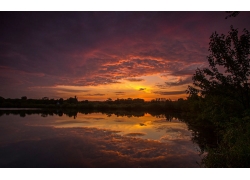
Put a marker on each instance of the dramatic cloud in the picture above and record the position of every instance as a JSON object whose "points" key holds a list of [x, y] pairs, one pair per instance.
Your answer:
{"points": [[49, 49]]}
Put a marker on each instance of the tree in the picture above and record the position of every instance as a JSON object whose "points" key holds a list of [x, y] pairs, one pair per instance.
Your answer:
{"points": [[232, 14], [1, 99], [24, 98], [109, 100], [229, 68], [72, 100], [45, 98]]}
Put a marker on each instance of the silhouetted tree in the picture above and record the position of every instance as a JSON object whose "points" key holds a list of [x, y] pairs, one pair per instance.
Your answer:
{"points": [[109, 100], [221, 96], [24, 98], [1, 99], [45, 98], [72, 100], [229, 68], [60, 100], [232, 14]]}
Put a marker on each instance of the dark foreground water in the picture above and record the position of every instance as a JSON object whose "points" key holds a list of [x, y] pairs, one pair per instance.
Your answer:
{"points": [[95, 140]]}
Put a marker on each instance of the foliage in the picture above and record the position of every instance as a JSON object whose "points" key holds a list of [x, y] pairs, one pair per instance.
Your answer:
{"points": [[221, 95], [232, 14], [234, 149], [229, 68]]}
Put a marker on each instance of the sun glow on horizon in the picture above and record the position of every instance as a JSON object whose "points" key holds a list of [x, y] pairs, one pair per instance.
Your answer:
{"points": [[144, 87]]}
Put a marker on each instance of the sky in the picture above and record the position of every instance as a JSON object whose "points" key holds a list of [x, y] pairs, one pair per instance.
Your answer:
{"points": [[97, 55]]}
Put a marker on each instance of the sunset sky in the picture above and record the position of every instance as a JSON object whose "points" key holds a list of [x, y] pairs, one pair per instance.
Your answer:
{"points": [[100, 55]]}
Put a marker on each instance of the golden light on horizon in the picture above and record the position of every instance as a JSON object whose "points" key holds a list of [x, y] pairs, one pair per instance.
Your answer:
{"points": [[143, 87]]}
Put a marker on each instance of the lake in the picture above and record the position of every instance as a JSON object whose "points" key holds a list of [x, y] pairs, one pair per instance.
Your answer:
{"points": [[93, 139]]}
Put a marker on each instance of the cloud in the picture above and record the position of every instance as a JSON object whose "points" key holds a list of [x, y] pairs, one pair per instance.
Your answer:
{"points": [[97, 94], [120, 93], [119, 120], [142, 89], [175, 83], [169, 92], [71, 122], [96, 48], [135, 134], [179, 82], [161, 86], [72, 90], [135, 79]]}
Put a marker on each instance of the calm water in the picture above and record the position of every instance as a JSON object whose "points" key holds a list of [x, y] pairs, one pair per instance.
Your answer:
{"points": [[95, 140]]}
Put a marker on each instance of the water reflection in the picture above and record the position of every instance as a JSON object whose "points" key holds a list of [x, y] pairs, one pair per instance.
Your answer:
{"points": [[92, 139]]}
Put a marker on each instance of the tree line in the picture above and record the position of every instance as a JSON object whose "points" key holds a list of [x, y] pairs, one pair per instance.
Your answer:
{"points": [[158, 104]]}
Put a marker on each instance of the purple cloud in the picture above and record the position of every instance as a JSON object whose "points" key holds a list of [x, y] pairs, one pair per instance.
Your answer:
{"points": [[94, 48], [135, 79]]}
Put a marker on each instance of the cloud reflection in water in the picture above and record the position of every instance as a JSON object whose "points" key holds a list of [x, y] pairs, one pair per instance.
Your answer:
{"points": [[35, 143]]}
